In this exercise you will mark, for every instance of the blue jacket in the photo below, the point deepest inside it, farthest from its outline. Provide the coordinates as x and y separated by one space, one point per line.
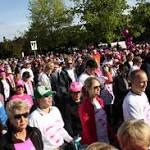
3 115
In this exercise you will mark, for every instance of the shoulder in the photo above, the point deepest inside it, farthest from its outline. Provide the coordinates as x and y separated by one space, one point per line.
101 101
34 114
133 99
55 109
85 104
5 140
83 75
129 96
33 130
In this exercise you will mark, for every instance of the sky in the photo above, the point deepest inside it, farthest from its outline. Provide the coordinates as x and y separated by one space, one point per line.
14 17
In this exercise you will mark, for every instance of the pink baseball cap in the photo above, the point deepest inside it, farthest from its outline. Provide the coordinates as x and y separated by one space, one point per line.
75 87
19 83
2 73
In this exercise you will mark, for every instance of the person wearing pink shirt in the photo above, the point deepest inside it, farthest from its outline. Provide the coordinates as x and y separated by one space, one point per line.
20 94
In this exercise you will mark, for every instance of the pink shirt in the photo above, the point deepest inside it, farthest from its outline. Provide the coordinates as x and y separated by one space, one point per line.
26 145
24 97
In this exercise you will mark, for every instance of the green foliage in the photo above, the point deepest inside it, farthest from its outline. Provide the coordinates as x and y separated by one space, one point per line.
140 20
47 18
101 20
103 17
10 48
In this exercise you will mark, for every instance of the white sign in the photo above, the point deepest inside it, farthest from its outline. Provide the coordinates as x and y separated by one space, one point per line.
22 54
33 45
122 44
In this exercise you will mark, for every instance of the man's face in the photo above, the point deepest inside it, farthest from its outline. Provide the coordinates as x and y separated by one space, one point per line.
91 71
139 84
70 64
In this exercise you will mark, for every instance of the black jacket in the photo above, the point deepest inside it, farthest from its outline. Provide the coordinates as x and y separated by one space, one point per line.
6 142
71 116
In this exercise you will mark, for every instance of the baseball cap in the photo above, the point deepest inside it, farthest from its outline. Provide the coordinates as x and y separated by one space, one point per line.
20 83
42 91
2 72
75 87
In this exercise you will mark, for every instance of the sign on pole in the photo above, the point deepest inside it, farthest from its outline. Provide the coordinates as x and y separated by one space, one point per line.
22 54
33 45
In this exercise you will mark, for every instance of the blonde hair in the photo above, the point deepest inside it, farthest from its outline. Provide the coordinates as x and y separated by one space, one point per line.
134 134
100 146
89 81
87 85
50 65
16 105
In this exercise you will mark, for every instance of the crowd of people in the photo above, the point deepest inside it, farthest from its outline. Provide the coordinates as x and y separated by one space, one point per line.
100 95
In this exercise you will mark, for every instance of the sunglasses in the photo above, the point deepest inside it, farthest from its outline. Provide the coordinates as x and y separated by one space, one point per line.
97 87
18 116
76 92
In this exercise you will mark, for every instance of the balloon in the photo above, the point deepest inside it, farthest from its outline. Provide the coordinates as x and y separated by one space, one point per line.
126 32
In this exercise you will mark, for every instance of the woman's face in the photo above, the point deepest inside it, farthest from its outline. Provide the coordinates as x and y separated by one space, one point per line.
76 96
45 102
20 90
19 119
94 90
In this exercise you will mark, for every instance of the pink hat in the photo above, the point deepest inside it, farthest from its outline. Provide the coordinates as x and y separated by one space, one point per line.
75 87
19 83
2 73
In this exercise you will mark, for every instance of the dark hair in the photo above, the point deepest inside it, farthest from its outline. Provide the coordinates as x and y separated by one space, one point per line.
26 75
91 64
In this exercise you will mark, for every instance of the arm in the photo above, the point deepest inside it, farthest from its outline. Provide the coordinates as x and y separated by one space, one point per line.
135 112
88 133
3 115
65 134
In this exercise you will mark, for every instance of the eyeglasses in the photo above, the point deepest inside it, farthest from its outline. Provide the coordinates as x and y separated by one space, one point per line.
76 92
70 63
97 87
18 116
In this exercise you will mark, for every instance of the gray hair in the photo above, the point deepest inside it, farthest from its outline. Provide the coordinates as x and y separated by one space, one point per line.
16 105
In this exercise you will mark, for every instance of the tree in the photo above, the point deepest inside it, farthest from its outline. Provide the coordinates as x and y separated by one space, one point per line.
47 16
140 20
103 18
12 48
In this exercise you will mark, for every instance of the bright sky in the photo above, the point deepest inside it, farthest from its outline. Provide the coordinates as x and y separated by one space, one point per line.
14 17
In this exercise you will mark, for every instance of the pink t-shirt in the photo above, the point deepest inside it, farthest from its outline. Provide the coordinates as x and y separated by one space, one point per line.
26 145
24 97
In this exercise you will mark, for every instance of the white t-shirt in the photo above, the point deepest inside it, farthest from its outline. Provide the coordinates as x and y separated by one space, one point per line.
71 74
134 67
136 107
51 126
44 80
30 72
6 89
83 77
